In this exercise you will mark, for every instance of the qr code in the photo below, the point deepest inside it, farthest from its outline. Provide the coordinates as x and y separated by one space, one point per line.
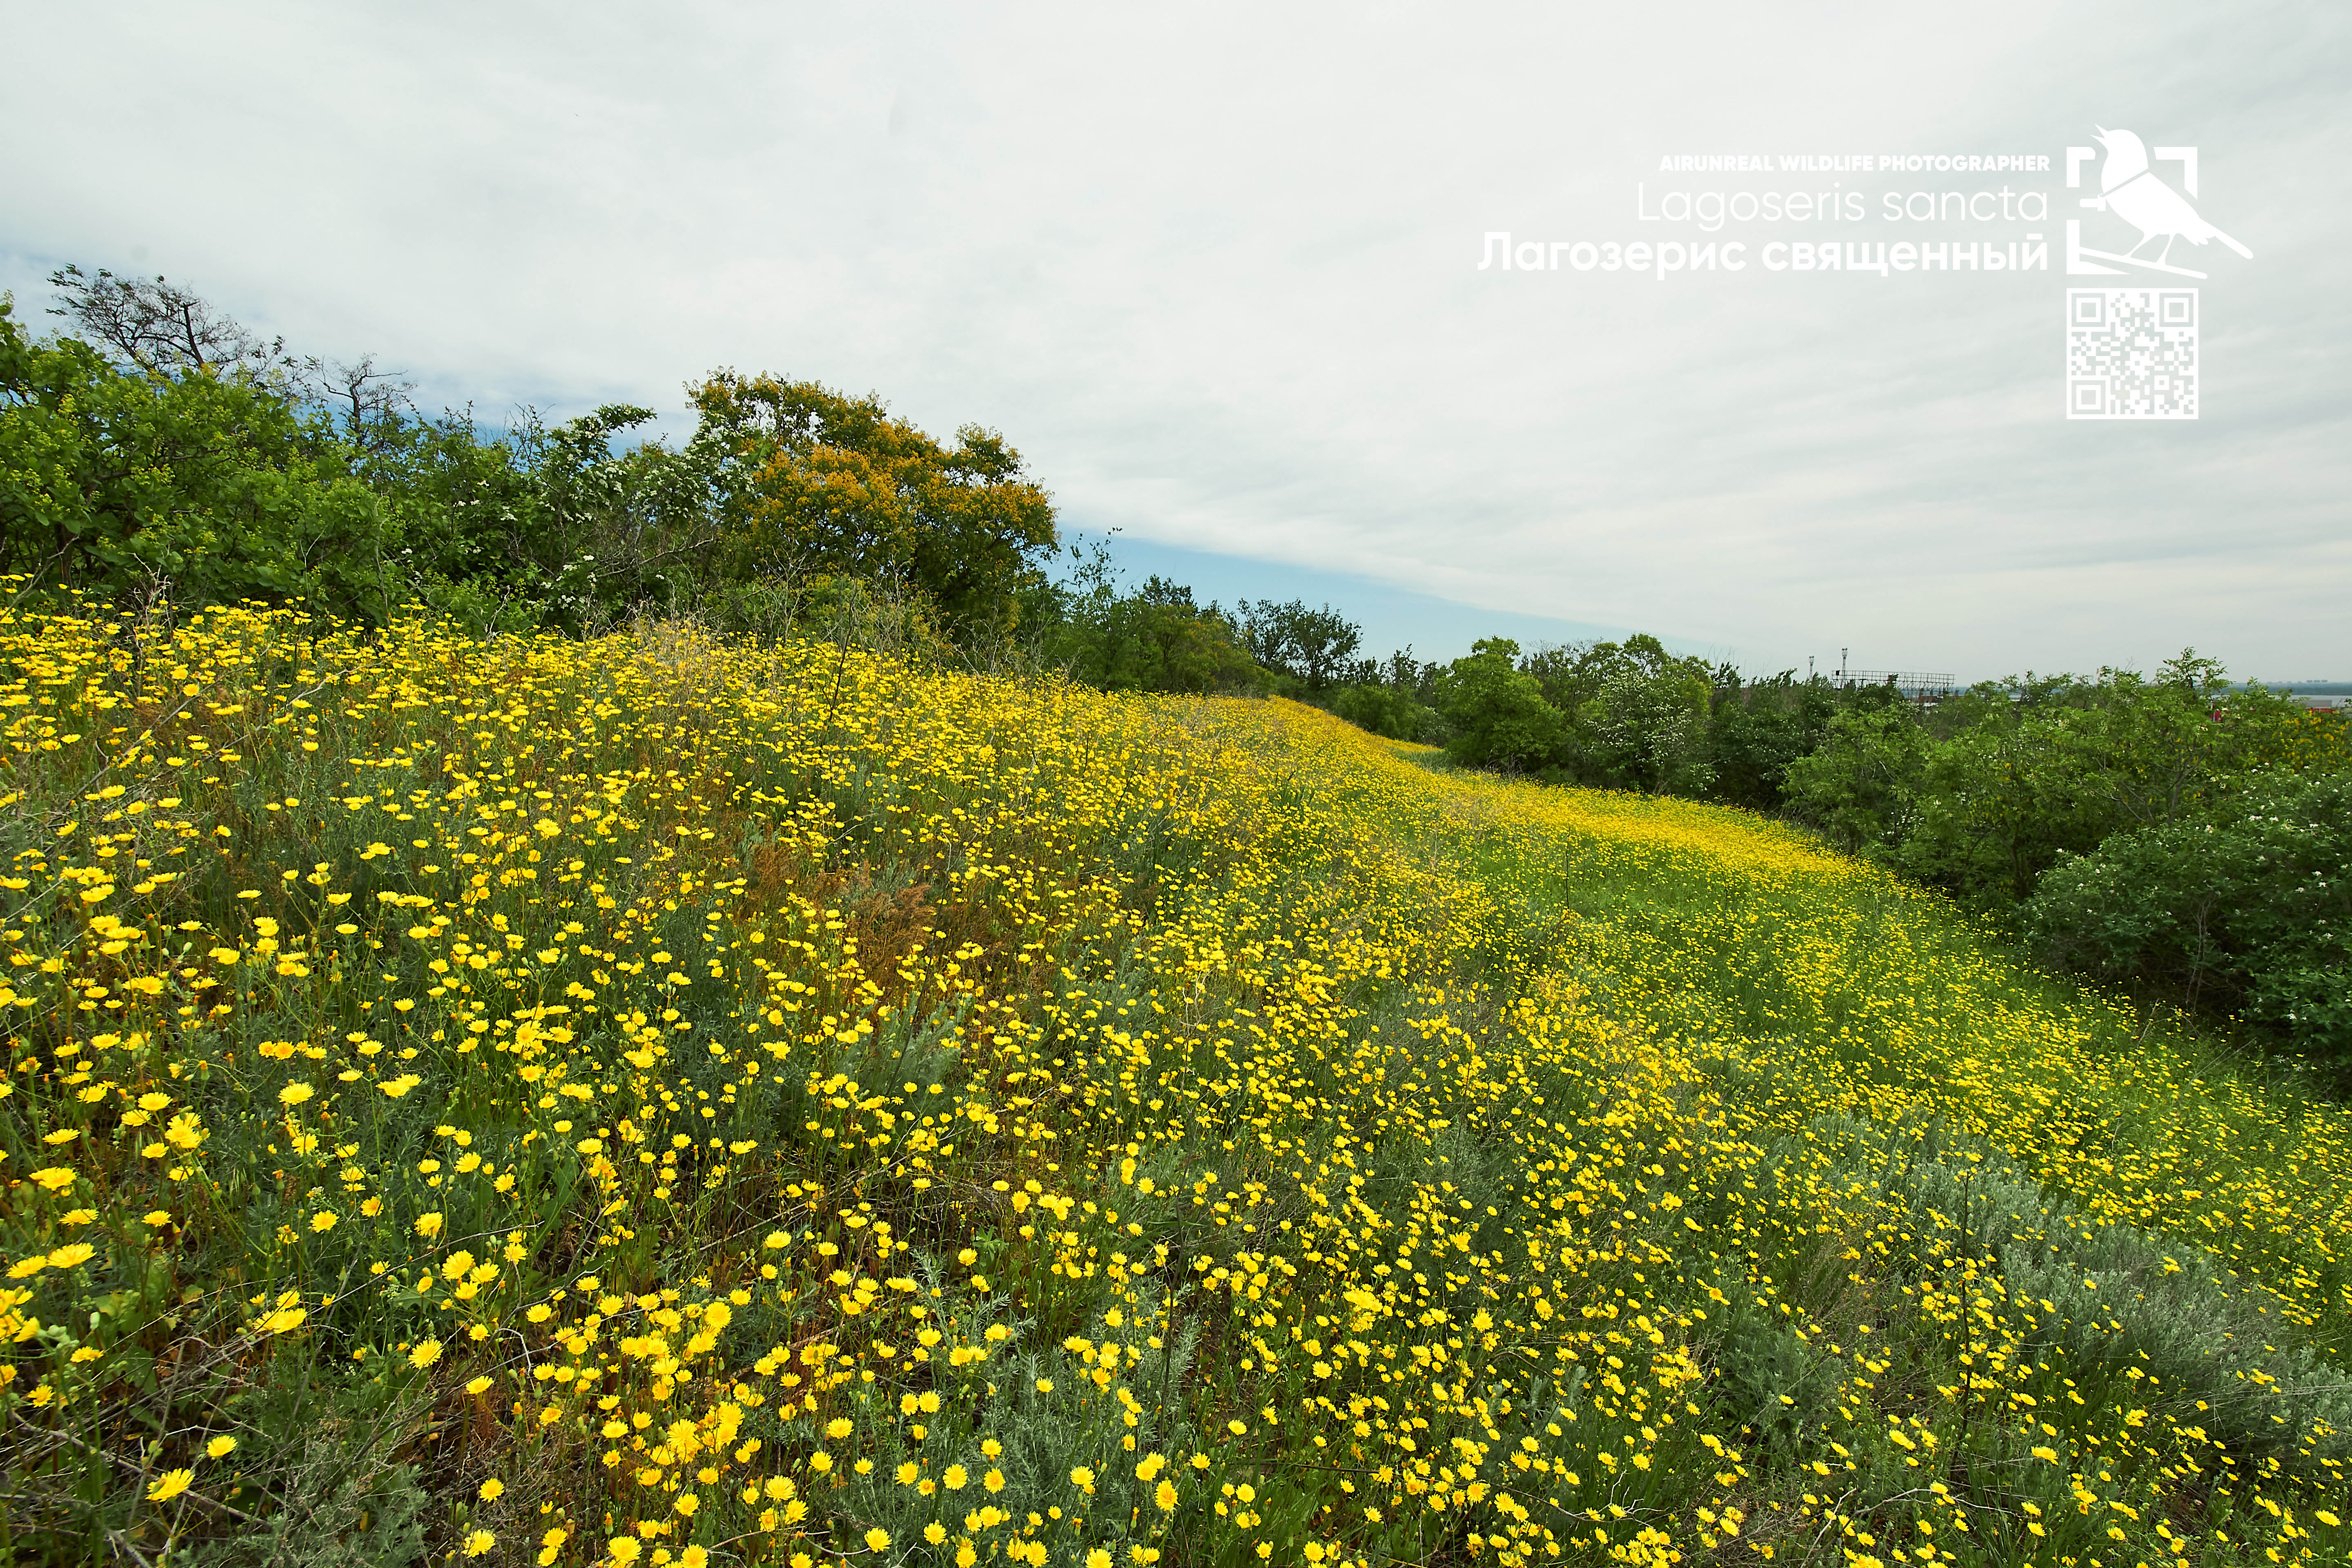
2131 354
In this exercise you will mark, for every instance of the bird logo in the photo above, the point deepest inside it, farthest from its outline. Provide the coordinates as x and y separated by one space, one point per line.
2130 188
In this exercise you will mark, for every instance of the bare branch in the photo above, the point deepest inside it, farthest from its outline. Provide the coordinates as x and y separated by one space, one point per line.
158 327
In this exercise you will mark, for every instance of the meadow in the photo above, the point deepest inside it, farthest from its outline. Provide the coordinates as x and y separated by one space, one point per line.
650 1101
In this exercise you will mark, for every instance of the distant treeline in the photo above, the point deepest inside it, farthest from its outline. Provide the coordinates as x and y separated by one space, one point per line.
2169 833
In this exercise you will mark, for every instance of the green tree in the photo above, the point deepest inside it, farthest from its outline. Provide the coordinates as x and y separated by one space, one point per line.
1999 802
1182 646
1756 732
1313 646
1385 710
1569 673
623 528
1858 787
1154 639
1636 715
194 482
1497 713
1646 723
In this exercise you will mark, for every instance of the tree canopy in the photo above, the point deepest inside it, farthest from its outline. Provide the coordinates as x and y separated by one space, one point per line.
816 480
161 448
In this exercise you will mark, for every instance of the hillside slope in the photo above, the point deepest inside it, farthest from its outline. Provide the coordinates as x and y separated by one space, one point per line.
650 1101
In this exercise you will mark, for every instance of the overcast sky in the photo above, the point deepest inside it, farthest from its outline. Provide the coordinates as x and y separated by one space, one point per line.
1215 272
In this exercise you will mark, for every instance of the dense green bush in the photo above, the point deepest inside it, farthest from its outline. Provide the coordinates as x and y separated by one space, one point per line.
1631 715
1153 638
2249 906
1386 710
1497 712
1757 730
1983 794
208 486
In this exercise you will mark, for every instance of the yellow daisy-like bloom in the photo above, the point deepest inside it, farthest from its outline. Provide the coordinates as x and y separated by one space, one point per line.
322 1221
169 1484
838 1427
876 1539
1166 1497
219 1447
935 1532
425 1353
954 1478
295 1093
428 1226
479 1541
493 1488
623 1548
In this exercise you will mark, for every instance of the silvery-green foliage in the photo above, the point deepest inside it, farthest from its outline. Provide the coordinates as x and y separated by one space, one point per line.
2207 1349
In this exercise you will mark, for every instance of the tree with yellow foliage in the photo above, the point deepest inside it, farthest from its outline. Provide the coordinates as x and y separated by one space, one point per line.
818 482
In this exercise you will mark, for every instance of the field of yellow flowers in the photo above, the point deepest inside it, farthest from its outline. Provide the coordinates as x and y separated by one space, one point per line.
646 1102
